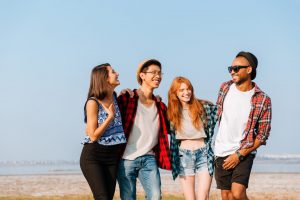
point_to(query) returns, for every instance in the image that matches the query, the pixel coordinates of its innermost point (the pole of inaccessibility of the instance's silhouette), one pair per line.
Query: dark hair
(252, 61)
(99, 85)
(150, 62)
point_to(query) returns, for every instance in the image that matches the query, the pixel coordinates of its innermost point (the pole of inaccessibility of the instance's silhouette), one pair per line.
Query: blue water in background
(262, 164)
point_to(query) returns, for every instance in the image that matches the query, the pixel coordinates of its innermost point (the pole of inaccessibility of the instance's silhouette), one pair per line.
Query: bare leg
(204, 183)
(226, 195)
(238, 191)
(188, 186)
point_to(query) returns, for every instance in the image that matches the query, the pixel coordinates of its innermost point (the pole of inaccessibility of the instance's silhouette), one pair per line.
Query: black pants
(99, 165)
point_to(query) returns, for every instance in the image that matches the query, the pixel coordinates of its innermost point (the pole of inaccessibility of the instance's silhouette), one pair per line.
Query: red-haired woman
(192, 127)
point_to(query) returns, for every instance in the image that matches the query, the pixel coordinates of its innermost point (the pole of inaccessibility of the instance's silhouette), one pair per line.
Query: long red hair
(174, 112)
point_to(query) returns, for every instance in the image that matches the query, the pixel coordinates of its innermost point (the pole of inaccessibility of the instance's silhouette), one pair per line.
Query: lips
(157, 81)
(186, 97)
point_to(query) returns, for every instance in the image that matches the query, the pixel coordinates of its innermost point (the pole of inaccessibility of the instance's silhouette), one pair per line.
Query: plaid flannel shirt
(128, 108)
(259, 121)
(211, 113)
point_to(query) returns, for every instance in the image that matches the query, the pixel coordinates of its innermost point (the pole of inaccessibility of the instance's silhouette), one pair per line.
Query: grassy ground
(169, 197)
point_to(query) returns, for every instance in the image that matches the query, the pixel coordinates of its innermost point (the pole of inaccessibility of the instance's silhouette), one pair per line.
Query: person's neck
(245, 86)
(147, 92)
(184, 105)
(109, 98)
(145, 96)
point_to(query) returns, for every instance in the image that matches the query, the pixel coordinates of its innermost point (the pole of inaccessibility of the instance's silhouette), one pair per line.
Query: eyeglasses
(154, 73)
(236, 68)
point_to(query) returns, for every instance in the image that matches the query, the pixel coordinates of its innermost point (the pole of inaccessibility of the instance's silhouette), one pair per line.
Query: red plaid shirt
(128, 108)
(259, 121)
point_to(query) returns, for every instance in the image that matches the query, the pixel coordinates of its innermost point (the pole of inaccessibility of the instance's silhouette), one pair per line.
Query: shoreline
(162, 174)
(261, 186)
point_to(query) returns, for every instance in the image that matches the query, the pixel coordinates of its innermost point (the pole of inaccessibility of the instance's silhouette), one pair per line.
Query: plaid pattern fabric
(211, 113)
(128, 108)
(259, 121)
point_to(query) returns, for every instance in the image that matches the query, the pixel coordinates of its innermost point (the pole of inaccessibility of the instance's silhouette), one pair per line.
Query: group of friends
(132, 135)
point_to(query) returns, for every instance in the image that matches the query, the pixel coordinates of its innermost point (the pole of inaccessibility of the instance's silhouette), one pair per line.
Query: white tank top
(188, 130)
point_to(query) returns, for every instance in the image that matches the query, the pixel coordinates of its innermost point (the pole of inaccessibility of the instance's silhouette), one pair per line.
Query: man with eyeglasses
(244, 113)
(145, 126)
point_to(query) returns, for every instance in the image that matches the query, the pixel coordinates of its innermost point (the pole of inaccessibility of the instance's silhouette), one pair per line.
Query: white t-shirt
(236, 110)
(144, 133)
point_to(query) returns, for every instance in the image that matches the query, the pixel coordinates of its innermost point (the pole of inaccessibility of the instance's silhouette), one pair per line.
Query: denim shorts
(192, 161)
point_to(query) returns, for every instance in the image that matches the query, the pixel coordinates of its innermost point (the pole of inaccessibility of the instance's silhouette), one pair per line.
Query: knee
(203, 195)
(153, 194)
(226, 194)
(127, 194)
(127, 190)
(238, 194)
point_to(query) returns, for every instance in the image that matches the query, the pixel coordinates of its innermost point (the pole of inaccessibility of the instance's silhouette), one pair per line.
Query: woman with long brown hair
(192, 122)
(104, 133)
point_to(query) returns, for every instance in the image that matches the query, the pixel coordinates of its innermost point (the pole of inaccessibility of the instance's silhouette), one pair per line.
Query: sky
(49, 47)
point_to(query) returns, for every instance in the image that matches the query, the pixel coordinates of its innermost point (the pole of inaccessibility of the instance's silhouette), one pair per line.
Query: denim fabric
(145, 169)
(211, 114)
(192, 161)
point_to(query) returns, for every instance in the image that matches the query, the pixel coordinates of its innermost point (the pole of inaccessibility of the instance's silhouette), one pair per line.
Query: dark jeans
(99, 165)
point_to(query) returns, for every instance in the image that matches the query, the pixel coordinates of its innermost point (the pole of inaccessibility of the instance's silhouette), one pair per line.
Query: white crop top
(188, 130)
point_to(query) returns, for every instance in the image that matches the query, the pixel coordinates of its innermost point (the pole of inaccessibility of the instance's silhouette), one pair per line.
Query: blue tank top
(114, 133)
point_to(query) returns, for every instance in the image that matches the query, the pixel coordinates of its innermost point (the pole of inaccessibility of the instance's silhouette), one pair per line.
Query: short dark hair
(148, 63)
(252, 61)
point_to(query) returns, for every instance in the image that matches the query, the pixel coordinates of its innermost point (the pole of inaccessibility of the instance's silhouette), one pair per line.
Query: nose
(185, 92)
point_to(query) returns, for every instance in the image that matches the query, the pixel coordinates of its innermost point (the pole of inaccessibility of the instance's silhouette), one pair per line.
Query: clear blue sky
(48, 48)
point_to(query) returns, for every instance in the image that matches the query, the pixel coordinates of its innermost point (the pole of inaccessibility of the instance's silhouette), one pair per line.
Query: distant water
(263, 164)
(38, 167)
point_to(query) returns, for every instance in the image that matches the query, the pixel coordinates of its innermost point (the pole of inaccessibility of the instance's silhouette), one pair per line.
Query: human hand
(231, 162)
(110, 111)
(130, 92)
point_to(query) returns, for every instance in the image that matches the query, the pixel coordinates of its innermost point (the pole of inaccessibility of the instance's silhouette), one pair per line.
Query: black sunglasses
(236, 68)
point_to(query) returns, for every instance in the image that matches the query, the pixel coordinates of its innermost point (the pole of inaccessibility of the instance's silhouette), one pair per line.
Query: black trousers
(99, 165)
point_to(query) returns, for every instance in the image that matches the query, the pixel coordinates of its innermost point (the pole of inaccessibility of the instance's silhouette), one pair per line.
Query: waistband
(201, 149)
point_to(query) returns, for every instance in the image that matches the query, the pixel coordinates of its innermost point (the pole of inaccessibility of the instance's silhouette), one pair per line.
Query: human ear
(249, 70)
(142, 76)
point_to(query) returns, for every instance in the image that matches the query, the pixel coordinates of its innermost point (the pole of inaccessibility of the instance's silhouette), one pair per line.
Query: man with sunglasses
(244, 113)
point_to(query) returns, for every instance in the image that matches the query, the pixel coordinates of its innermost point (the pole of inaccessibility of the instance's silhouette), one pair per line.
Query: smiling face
(184, 94)
(113, 77)
(151, 76)
(243, 74)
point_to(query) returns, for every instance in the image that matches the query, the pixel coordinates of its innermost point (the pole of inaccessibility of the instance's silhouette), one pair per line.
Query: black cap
(250, 57)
